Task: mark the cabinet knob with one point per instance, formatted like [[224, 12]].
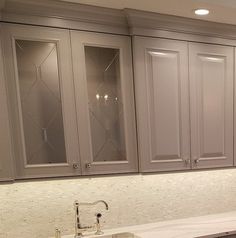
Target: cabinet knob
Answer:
[[196, 161], [88, 166], [186, 161], [75, 166]]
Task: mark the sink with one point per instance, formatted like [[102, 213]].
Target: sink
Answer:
[[115, 235], [230, 234], [118, 235]]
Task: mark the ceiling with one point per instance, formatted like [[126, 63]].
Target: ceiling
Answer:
[[221, 10]]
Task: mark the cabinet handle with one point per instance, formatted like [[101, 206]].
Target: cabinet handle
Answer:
[[88, 166], [75, 166]]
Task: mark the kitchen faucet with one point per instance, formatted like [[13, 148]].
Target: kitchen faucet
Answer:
[[79, 229]]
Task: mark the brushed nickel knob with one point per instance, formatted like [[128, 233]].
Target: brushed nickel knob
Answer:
[[75, 166], [88, 166], [186, 161], [196, 161]]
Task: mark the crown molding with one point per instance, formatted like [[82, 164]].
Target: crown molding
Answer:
[[55, 13], [66, 15], [151, 23]]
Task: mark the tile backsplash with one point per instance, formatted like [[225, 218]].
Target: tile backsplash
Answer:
[[33, 209]]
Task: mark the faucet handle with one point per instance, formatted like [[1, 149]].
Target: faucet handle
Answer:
[[57, 233], [98, 225]]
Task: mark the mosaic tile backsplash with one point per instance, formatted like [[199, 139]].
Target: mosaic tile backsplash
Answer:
[[33, 209]]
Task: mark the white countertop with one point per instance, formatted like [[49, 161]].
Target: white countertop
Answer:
[[183, 228]]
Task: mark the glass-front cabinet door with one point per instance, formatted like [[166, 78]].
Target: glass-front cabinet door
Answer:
[[105, 103], [42, 102]]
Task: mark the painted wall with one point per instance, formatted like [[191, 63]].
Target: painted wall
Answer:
[[33, 209]]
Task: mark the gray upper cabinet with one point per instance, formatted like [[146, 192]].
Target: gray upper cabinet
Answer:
[[179, 98], [41, 99], [211, 90], [162, 99], [68, 98], [105, 102], [65, 124]]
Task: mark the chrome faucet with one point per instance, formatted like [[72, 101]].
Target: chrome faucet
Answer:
[[79, 229]]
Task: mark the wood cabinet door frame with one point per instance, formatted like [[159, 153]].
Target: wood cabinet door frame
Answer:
[[234, 154], [202, 125], [144, 48], [62, 40], [123, 43], [6, 163]]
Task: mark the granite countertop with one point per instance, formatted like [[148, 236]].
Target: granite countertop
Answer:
[[204, 226]]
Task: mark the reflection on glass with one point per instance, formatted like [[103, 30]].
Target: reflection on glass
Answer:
[[40, 102], [105, 103]]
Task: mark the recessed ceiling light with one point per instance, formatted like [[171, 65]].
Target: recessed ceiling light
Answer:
[[202, 12]]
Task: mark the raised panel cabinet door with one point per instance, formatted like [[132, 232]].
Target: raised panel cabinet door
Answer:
[[162, 100], [41, 101], [211, 91], [103, 77], [6, 166]]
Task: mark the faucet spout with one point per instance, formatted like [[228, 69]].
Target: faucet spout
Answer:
[[102, 201], [92, 203], [78, 227]]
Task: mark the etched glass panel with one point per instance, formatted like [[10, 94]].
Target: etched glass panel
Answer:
[[40, 98], [105, 103]]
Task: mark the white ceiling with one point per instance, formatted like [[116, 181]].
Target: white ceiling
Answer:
[[221, 10]]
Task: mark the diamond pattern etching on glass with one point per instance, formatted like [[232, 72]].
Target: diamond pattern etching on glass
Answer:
[[105, 104], [40, 101]]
